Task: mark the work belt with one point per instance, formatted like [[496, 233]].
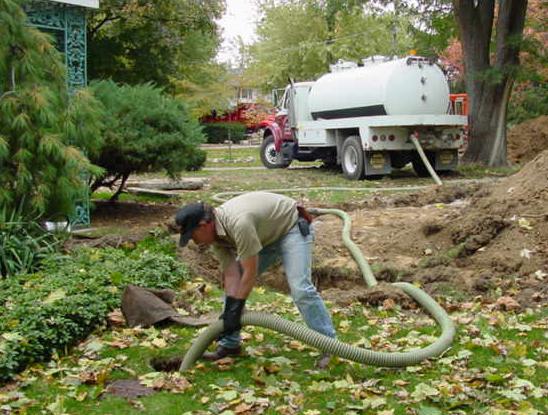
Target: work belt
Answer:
[[303, 213], [304, 221]]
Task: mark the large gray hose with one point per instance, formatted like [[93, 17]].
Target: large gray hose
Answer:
[[425, 160], [334, 346]]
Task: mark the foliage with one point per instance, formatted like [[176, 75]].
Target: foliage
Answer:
[[148, 41], [219, 132], [358, 35], [147, 131], [40, 166], [300, 38], [529, 100], [23, 243], [291, 44], [52, 309], [530, 96], [211, 87]]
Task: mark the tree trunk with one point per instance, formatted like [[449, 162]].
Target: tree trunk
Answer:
[[487, 126], [489, 76]]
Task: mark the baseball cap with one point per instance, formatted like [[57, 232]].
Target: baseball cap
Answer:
[[188, 218]]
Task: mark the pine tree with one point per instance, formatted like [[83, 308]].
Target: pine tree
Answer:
[[43, 133]]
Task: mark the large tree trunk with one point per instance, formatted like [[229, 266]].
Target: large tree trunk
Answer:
[[487, 128], [489, 77]]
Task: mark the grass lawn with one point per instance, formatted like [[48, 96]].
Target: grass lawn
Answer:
[[221, 174], [302, 176], [496, 366]]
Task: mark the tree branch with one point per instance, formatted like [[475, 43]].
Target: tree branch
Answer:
[[115, 196], [95, 29]]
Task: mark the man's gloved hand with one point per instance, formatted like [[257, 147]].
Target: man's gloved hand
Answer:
[[232, 314]]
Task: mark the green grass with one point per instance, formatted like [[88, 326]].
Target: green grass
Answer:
[[491, 366], [237, 156], [477, 171], [301, 175], [497, 364], [128, 197]]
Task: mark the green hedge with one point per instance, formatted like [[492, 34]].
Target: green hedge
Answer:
[[64, 302], [219, 132]]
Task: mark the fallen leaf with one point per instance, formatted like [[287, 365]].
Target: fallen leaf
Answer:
[[116, 318], [228, 395], [389, 304], [58, 294], [507, 303], [525, 224], [423, 391], [159, 343], [428, 410]]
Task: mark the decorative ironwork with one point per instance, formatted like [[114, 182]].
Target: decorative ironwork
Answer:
[[45, 15], [68, 25]]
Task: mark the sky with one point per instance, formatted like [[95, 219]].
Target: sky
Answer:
[[239, 20]]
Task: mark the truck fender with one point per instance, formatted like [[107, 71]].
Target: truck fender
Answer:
[[275, 130]]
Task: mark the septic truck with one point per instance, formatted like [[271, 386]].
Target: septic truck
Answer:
[[368, 119]]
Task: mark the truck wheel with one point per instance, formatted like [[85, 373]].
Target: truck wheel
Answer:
[[418, 164], [353, 159], [271, 158]]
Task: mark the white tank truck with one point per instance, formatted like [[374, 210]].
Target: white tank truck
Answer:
[[366, 119]]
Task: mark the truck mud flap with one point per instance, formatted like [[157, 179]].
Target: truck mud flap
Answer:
[[377, 163], [446, 160]]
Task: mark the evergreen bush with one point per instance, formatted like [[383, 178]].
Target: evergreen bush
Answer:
[[51, 310], [42, 132], [145, 131], [219, 132]]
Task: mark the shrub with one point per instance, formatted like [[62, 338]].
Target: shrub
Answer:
[[219, 132], [23, 243], [40, 169], [146, 131], [528, 102], [52, 309]]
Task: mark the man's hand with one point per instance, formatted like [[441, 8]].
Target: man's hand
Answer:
[[232, 314]]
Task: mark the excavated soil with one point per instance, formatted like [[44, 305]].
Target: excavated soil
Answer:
[[488, 239], [527, 140]]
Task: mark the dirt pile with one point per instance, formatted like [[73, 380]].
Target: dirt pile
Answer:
[[504, 232], [487, 239], [528, 139]]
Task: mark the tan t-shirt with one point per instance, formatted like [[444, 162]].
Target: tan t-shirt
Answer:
[[249, 222]]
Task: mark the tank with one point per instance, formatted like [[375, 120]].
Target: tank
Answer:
[[407, 86]]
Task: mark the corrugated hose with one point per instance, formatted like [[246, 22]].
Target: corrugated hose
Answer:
[[331, 345]]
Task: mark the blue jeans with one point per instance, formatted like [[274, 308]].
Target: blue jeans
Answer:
[[295, 251]]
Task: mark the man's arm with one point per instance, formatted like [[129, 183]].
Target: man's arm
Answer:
[[238, 285], [239, 278], [249, 275]]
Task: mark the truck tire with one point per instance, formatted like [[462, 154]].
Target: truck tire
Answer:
[[271, 158], [353, 158], [418, 164]]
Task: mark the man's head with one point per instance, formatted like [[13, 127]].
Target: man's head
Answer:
[[195, 221]]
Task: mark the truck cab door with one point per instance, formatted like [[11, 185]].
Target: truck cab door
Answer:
[[283, 115]]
